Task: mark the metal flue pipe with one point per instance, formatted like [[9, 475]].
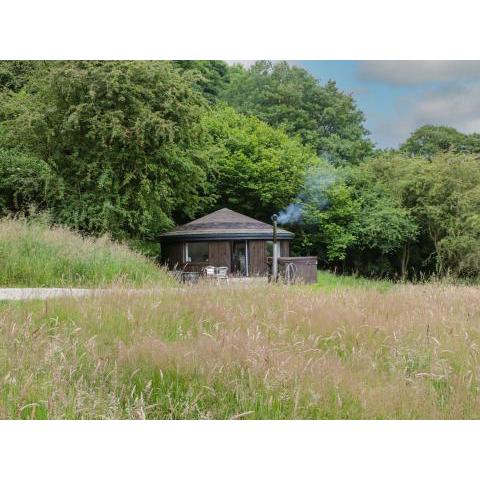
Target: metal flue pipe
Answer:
[[275, 255]]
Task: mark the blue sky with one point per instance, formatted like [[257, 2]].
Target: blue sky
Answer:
[[399, 96]]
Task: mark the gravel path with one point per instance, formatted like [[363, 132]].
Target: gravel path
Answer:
[[42, 293]]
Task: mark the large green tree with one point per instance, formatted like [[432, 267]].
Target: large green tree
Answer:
[[256, 169], [432, 139], [123, 139], [289, 97]]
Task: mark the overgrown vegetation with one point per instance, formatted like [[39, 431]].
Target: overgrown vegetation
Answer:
[[33, 254], [266, 352], [129, 149]]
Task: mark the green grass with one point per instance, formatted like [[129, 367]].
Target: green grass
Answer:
[[33, 254], [329, 281], [250, 352]]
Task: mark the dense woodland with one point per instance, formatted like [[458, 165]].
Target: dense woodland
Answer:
[[129, 148]]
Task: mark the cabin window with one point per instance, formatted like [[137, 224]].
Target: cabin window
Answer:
[[270, 249], [196, 252]]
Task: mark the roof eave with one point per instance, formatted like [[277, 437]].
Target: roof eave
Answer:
[[188, 236]]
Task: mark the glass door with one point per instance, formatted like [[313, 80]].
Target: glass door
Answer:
[[240, 258]]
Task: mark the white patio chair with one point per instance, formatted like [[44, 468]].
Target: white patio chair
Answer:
[[209, 272], [222, 273]]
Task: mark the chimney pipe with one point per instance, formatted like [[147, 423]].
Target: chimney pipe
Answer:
[[274, 256]]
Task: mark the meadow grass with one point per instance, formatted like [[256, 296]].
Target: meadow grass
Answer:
[[33, 254], [244, 351], [329, 281]]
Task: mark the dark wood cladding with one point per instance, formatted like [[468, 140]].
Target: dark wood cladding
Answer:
[[257, 257], [219, 254], [173, 254], [305, 271], [284, 248]]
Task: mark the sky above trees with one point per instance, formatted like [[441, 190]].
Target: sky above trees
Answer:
[[399, 96]]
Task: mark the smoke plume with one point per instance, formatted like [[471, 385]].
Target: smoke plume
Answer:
[[317, 182]]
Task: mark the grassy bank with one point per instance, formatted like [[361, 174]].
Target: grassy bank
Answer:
[[244, 352], [35, 255], [328, 281]]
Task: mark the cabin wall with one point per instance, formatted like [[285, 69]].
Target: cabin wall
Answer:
[[219, 254], [257, 257], [173, 254]]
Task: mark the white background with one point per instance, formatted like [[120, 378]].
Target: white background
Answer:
[[290, 30]]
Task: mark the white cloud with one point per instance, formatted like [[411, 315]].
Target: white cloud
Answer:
[[412, 72], [456, 105]]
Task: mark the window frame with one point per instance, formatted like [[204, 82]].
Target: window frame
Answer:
[[188, 257]]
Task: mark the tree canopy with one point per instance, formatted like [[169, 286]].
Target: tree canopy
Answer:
[[289, 97], [430, 140], [122, 139], [256, 169]]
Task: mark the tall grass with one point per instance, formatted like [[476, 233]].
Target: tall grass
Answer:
[[330, 281], [33, 254], [246, 352]]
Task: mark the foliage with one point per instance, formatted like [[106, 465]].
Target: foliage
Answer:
[[25, 181], [212, 75], [289, 97], [431, 139], [257, 169], [14, 74], [122, 138], [384, 226], [32, 254], [433, 205], [331, 229]]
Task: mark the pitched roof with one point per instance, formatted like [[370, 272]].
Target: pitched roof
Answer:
[[225, 224]]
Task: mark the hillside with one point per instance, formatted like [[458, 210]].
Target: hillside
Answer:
[[33, 254]]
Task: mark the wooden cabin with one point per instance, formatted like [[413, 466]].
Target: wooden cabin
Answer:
[[224, 239]]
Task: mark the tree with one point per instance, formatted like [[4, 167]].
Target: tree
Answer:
[[323, 215], [430, 140], [332, 229], [289, 97], [211, 77], [123, 138], [452, 204], [256, 169], [386, 227], [424, 210]]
